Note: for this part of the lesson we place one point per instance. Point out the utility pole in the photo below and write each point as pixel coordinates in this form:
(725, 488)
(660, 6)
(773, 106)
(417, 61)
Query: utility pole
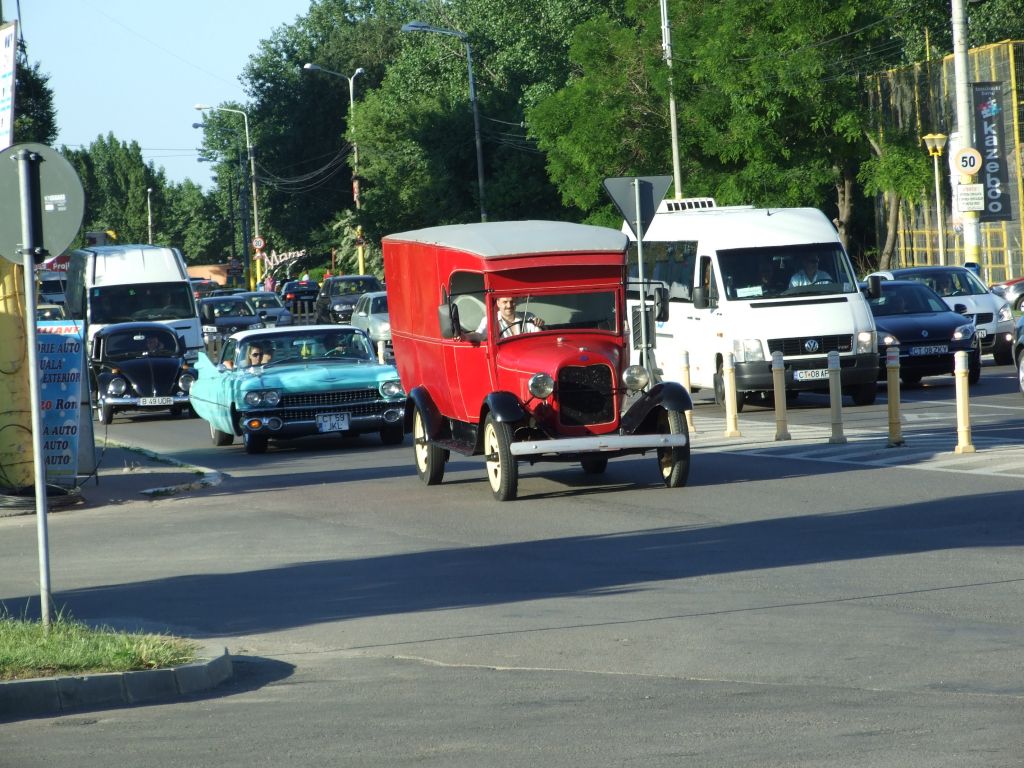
(964, 124)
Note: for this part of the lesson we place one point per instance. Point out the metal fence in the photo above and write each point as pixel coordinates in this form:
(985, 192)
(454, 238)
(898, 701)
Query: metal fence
(922, 98)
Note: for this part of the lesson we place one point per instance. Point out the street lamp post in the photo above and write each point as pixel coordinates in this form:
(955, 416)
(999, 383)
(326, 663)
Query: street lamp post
(936, 142)
(149, 211)
(421, 26)
(351, 108)
(252, 173)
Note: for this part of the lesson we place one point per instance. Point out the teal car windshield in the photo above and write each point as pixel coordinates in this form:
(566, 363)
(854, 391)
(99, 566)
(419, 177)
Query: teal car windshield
(305, 345)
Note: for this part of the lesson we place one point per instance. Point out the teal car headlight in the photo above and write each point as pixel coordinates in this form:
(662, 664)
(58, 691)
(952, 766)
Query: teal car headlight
(256, 398)
(392, 388)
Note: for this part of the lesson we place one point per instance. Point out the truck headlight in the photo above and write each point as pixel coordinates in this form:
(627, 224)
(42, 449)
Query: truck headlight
(865, 342)
(747, 350)
(541, 385)
(636, 377)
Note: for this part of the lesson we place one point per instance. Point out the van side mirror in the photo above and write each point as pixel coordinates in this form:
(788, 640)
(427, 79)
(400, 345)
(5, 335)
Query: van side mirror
(660, 303)
(448, 320)
(700, 298)
(874, 286)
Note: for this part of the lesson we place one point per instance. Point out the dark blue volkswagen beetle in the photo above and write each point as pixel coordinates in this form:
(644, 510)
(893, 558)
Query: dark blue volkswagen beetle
(139, 366)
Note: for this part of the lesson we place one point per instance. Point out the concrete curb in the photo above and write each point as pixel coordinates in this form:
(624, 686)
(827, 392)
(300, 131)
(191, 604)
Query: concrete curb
(210, 477)
(51, 696)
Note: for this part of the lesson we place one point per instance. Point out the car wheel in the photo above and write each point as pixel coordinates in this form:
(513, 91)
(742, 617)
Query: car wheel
(1019, 303)
(105, 414)
(219, 438)
(430, 458)
(865, 394)
(254, 443)
(594, 465)
(974, 367)
(1020, 373)
(674, 463)
(502, 470)
(910, 379)
(392, 434)
(1003, 355)
(719, 381)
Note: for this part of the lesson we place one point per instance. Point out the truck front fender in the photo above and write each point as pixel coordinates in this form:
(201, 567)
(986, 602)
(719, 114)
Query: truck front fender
(670, 395)
(505, 407)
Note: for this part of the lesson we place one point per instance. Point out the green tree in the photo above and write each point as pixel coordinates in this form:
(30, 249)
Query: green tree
(35, 119)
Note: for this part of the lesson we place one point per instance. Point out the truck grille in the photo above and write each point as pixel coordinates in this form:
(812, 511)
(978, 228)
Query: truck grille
(585, 395)
(811, 345)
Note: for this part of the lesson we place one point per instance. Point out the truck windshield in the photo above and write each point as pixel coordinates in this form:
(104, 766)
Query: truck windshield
(149, 301)
(789, 270)
(558, 312)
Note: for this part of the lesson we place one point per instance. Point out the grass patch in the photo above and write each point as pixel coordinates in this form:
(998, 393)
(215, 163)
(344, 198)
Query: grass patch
(72, 648)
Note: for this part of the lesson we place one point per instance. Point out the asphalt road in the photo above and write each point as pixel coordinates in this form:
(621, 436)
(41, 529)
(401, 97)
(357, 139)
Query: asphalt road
(798, 604)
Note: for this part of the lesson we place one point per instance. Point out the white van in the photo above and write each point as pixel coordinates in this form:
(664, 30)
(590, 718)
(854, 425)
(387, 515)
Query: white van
(129, 283)
(736, 284)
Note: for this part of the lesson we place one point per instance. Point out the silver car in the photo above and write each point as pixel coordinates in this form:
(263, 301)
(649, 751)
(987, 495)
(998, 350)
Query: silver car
(371, 315)
(269, 306)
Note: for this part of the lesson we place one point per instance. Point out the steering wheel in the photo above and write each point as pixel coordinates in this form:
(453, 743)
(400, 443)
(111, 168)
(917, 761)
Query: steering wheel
(336, 352)
(507, 330)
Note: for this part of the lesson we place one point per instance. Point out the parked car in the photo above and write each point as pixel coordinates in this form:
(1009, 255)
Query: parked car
(51, 312)
(269, 307)
(203, 286)
(338, 296)
(227, 291)
(1012, 290)
(223, 315)
(910, 315)
(295, 291)
(139, 366)
(292, 382)
(991, 314)
(51, 287)
(371, 315)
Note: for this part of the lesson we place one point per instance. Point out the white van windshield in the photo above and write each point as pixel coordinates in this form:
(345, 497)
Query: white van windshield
(148, 301)
(789, 270)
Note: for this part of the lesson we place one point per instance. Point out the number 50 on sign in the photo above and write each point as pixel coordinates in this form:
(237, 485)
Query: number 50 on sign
(968, 161)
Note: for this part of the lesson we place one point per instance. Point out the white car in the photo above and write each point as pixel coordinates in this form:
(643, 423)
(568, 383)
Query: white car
(961, 289)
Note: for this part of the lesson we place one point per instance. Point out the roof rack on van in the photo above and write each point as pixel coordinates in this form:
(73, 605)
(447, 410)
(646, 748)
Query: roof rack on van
(687, 204)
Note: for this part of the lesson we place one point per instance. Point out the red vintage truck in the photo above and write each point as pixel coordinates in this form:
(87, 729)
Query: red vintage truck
(555, 384)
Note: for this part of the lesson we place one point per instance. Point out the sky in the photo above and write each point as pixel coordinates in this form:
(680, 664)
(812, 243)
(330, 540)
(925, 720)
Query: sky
(137, 67)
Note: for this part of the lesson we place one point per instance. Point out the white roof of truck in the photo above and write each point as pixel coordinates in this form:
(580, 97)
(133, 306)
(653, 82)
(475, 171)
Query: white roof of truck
(518, 238)
(742, 226)
(120, 264)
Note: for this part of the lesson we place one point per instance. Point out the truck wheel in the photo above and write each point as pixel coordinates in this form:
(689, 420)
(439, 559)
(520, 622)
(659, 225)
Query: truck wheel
(502, 470)
(594, 465)
(219, 438)
(254, 443)
(429, 458)
(865, 394)
(719, 380)
(674, 463)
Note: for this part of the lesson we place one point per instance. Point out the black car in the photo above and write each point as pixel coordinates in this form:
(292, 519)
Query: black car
(223, 315)
(295, 291)
(338, 296)
(914, 317)
(139, 366)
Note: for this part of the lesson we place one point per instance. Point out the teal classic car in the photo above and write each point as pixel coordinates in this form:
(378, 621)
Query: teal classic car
(281, 383)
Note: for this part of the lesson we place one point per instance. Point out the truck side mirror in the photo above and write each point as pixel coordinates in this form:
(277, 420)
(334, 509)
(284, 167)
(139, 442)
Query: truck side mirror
(700, 298)
(448, 320)
(660, 304)
(874, 286)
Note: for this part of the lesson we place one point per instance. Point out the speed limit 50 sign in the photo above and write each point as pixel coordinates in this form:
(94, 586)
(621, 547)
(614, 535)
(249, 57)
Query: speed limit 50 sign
(968, 161)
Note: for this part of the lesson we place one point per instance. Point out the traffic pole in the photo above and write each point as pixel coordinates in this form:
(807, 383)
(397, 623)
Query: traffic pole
(963, 411)
(686, 383)
(892, 381)
(732, 428)
(779, 395)
(835, 393)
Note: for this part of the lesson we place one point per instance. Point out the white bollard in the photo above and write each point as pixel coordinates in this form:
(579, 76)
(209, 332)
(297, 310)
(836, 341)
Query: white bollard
(963, 412)
(835, 392)
(381, 346)
(779, 394)
(732, 428)
(892, 381)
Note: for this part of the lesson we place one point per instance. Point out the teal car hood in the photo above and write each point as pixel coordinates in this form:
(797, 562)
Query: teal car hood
(319, 376)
